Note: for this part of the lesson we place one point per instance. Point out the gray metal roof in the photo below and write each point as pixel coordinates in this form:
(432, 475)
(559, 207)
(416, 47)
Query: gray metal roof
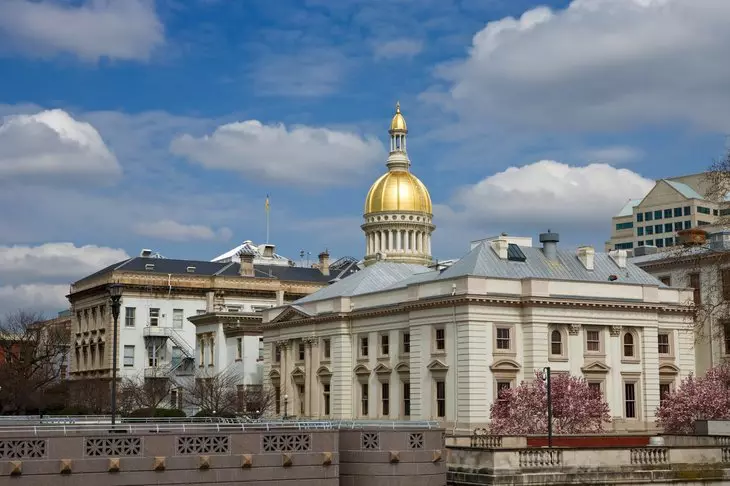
(378, 276)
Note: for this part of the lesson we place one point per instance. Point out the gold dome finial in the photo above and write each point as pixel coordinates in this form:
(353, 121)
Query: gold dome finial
(398, 123)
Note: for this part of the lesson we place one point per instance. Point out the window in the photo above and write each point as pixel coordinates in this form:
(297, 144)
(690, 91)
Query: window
(668, 228)
(239, 348)
(173, 399)
(648, 216)
(326, 398)
(630, 400)
(658, 214)
(725, 276)
(385, 398)
(128, 356)
(261, 349)
(502, 386)
(212, 353)
(664, 390)
(277, 399)
(667, 280)
(277, 354)
(640, 243)
(152, 357)
(703, 210)
(440, 339)
(649, 230)
(677, 212)
(233, 308)
(623, 226)
(715, 212)
(129, 313)
(406, 342)
(503, 341)
(200, 312)
(624, 246)
(687, 211)
(628, 345)
(406, 399)
(154, 316)
(202, 352)
(363, 347)
(658, 228)
(440, 398)
(650, 242)
(677, 226)
(177, 318)
(639, 217)
(668, 241)
(595, 387)
(384, 345)
(300, 351)
(300, 393)
(726, 328)
(640, 231)
(556, 343)
(659, 243)
(364, 399)
(663, 339)
(326, 350)
(667, 213)
(593, 341)
(694, 282)
(687, 224)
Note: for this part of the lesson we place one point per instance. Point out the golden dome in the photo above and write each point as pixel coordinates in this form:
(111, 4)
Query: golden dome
(398, 190)
(398, 123)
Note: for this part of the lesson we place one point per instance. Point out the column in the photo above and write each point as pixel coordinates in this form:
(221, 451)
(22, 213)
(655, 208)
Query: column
(307, 375)
(428, 244)
(313, 384)
(412, 242)
(398, 240)
(382, 240)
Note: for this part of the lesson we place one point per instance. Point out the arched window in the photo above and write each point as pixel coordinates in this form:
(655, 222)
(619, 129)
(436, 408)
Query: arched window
(556, 343)
(629, 345)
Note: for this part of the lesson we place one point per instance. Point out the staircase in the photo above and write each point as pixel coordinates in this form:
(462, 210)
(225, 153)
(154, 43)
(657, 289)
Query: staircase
(179, 341)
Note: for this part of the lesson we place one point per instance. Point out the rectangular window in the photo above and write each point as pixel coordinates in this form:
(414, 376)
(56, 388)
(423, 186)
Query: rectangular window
(177, 318)
(726, 328)
(202, 352)
(640, 231)
(715, 212)
(128, 356)
(667, 213)
(725, 277)
(658, 229)
(639, 217)
(364, 347)
(668, 227)
(703, 210)
(624, 246)
(623, 226)
(658, 214)
(678, 226)
(384, 345)
(406, 342)
(702, 223)
(666, 280)
(677, 212)
(502, 386)
(261, 349)
(595, 387)
(154, 316)
(326, 398)
(640, 243)
(593, 341)
(300, 393)
(385, 398)
(406, 399)
(173, 399)
(277, 354)
(664, 390)
(239, 348)
(326, 350)
(687, 224)
(648, 216)
(687, 211)
(364, 399)
(659, 243)
(668, 242)
(129, 313)
(649, 230)
(694, 283)
(440, 339)
(440, 398)
(650, 242)
(300, 351)
(277, 400)
(503, 340)
(630, 400)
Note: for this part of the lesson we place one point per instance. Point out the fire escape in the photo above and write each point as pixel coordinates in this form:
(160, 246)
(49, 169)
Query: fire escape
(156, 339)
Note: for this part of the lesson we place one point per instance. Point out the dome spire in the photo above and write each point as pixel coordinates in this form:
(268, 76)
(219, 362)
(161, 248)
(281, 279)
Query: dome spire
(398, 158)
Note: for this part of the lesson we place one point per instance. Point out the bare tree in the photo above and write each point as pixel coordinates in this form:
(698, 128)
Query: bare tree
(32, 357)
(90, 395)
(144, 392)
(256, 401)
(213, 393)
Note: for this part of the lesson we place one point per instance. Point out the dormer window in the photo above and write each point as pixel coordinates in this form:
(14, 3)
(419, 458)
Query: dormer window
(149, 266)
(191, 269)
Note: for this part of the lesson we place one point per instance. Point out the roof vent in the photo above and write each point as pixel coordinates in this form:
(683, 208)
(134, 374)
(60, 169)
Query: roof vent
(619, 257)
(549, 242)
(145, 253)
(191, 269)
(149, 266)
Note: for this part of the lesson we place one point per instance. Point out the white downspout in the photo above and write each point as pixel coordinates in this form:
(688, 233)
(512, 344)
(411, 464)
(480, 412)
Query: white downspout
(456, 360)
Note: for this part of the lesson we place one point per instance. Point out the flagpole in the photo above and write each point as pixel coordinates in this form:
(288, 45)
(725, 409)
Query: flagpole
(267, 219)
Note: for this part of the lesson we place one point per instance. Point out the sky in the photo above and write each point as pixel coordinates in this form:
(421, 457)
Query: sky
(131, 124)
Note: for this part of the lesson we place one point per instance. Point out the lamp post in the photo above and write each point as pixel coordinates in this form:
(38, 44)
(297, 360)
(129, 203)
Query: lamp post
(115, 293)
(286, 399)
(549, 408)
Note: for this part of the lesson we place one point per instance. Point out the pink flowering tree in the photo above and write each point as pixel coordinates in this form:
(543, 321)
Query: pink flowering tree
(703, 398)
(577, 408)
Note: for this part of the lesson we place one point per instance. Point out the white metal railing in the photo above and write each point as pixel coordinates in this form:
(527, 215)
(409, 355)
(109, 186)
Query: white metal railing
(169, 332)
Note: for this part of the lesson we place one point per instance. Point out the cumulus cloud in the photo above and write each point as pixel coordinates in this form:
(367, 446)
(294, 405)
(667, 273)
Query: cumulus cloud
(54, 261)
(549, 192)
(295, 155)
(599, 64)
(50, 144)
(92, 29)
(33, 297)
(398, 48)
(173, 231)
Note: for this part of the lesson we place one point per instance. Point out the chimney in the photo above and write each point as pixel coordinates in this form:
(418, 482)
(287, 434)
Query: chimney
(324, 262)
(268, 251)
(618, 256)
(586, 255)
(246, 269)
(145, 253)
(549, 242)
(500, 246)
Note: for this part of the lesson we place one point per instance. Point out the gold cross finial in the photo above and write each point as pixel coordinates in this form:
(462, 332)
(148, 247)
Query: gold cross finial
(397, 107)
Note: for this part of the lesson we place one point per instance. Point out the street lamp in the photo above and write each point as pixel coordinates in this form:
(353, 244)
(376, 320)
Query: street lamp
(549, 407)
(115, 294)
(286, 399)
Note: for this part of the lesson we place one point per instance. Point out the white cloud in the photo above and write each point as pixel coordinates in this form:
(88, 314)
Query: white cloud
(398, 48)
(295, 155)
(117, 29)
(47, 298)
(50, 144)
(172, 230)
(616, 155)
(599, 64)
(54, 261)
(549, 192)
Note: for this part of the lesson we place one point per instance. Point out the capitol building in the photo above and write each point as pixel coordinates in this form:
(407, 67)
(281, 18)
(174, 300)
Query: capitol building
(404, 338)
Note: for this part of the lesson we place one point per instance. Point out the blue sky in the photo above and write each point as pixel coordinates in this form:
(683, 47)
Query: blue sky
(130, 124)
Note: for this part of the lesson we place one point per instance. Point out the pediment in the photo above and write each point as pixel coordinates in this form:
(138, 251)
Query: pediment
(324, 371)
(297, 372)
(505, 365)
(402, 368)
(437, 365)
(595, 367)
(291, 313)
(274, 375)
(668, 369)
(361, 370)
(383, 369)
